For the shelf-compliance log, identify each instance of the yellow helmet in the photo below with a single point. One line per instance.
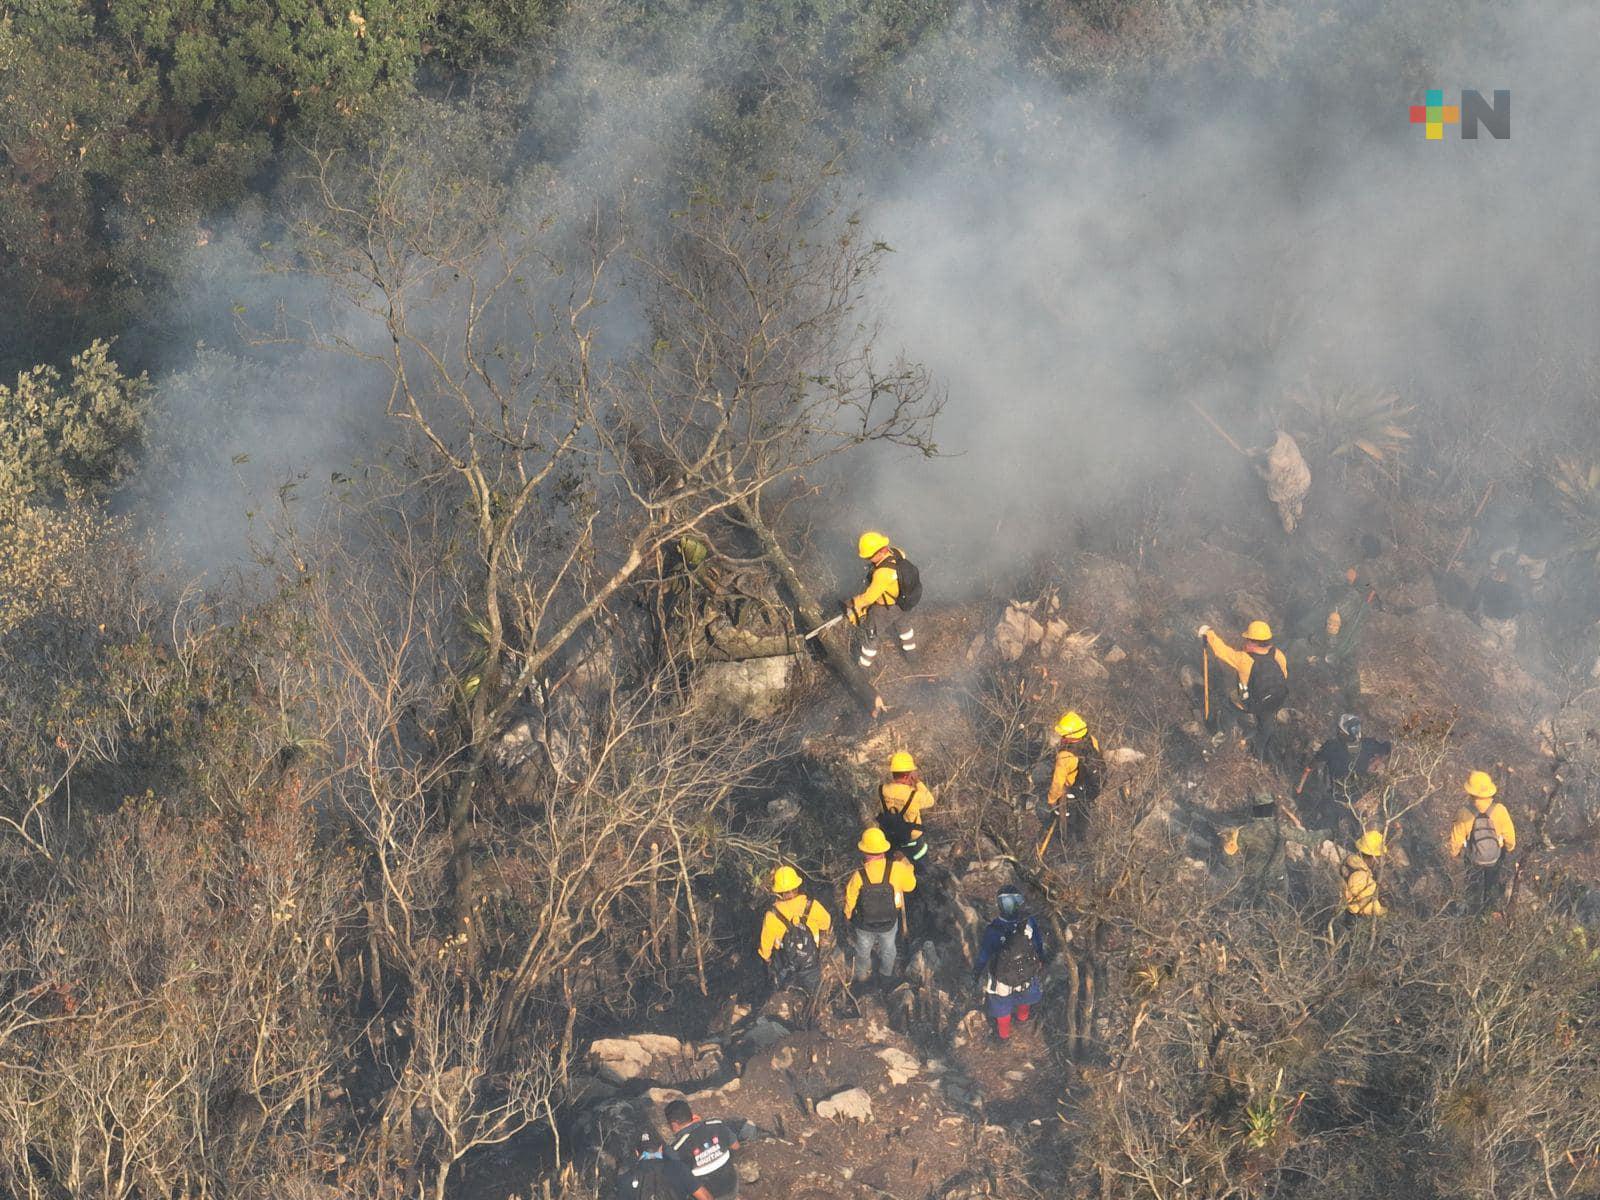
(1071, 725)
(785, 879)
(901, 763)
(1257, 631)
(873, 841)
(1371, 842)
(1480, 785)
(870, 543)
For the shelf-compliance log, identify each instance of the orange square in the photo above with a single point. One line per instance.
(1452, 114)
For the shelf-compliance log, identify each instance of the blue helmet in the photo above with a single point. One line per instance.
(1010, 901)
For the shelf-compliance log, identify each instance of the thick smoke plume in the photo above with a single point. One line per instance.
(1106, 257)
(1076, 266)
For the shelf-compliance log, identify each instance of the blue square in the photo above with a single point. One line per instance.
(1435, 96)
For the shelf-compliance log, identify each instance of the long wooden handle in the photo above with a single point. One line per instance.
(1205, 675)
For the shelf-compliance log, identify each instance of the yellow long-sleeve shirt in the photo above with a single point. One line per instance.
(882, 588)
(772, 929)
(907, 800)
(1242, 661)
(901, 875)
(1503, 827)
(1360, 888)
(1065, 774)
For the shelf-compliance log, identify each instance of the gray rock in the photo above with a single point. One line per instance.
(852, 1103)
(903, 1067)
(783, 810)
(765, 1032)
(747, 690)
(652, 1057)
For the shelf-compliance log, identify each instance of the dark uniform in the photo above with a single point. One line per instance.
(657, 1177)
(1346, 768)
(1258, 852)
(707, 1147)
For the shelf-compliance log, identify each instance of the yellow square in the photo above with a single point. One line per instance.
(1434, 131)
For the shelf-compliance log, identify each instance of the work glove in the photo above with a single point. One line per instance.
(1202, 631)
(849, 611)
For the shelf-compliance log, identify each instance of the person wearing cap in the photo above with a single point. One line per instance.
(1076, 779)
(1263, 681)
(706, 1147)
(902, 800)
(1010, 959)
(792, 930)
(1257, 851)
(875, 902)
(1484, 837)
(1359, 871)
(1347, 763)
(658, 1175)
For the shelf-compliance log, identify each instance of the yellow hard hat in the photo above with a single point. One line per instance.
(1071, 725)
(1480, 785)
(785, 879)
(873, 842)
(1257, 631)
(1371, 842)
(901, 763)
(870, 543)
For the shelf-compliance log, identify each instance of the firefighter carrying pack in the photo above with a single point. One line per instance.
(877, 907)
(910, 580)
(1269, 686)
(1483, 843)
(1016, 962)
(797, 949)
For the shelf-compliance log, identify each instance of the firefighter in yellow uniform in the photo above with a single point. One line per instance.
(874, 902)
(792, 930)
(901, 801)
(880, 609)
(1359, 870)
(1075, 781)
(1484, 836)
(1263, 673)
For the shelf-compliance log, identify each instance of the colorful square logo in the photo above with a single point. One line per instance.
(1433, 114)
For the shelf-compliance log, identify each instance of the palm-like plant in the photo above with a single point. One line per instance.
(1346, 421)
(1576, 486)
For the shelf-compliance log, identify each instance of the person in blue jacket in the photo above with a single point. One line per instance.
(1010, 960)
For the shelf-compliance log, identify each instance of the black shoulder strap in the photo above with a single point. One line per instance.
(783, 920)
(805, 913)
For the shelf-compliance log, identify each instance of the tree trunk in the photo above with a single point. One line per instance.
(852, 676)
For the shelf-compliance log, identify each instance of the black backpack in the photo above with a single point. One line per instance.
(910, 580)
(1091, 769)
(1016, 962)
(648, 1181)
(875, 906)
(1269, 686)
(894, 824)
(797, 949)
(1483, 843)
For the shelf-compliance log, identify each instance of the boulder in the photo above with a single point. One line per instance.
(1104, 592)
(1016, 631)
(852, 1104)
(765, 1032)
(1125, 756)
(652, 1057)
(784, 810)
(747, 690)
(903, 1067)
